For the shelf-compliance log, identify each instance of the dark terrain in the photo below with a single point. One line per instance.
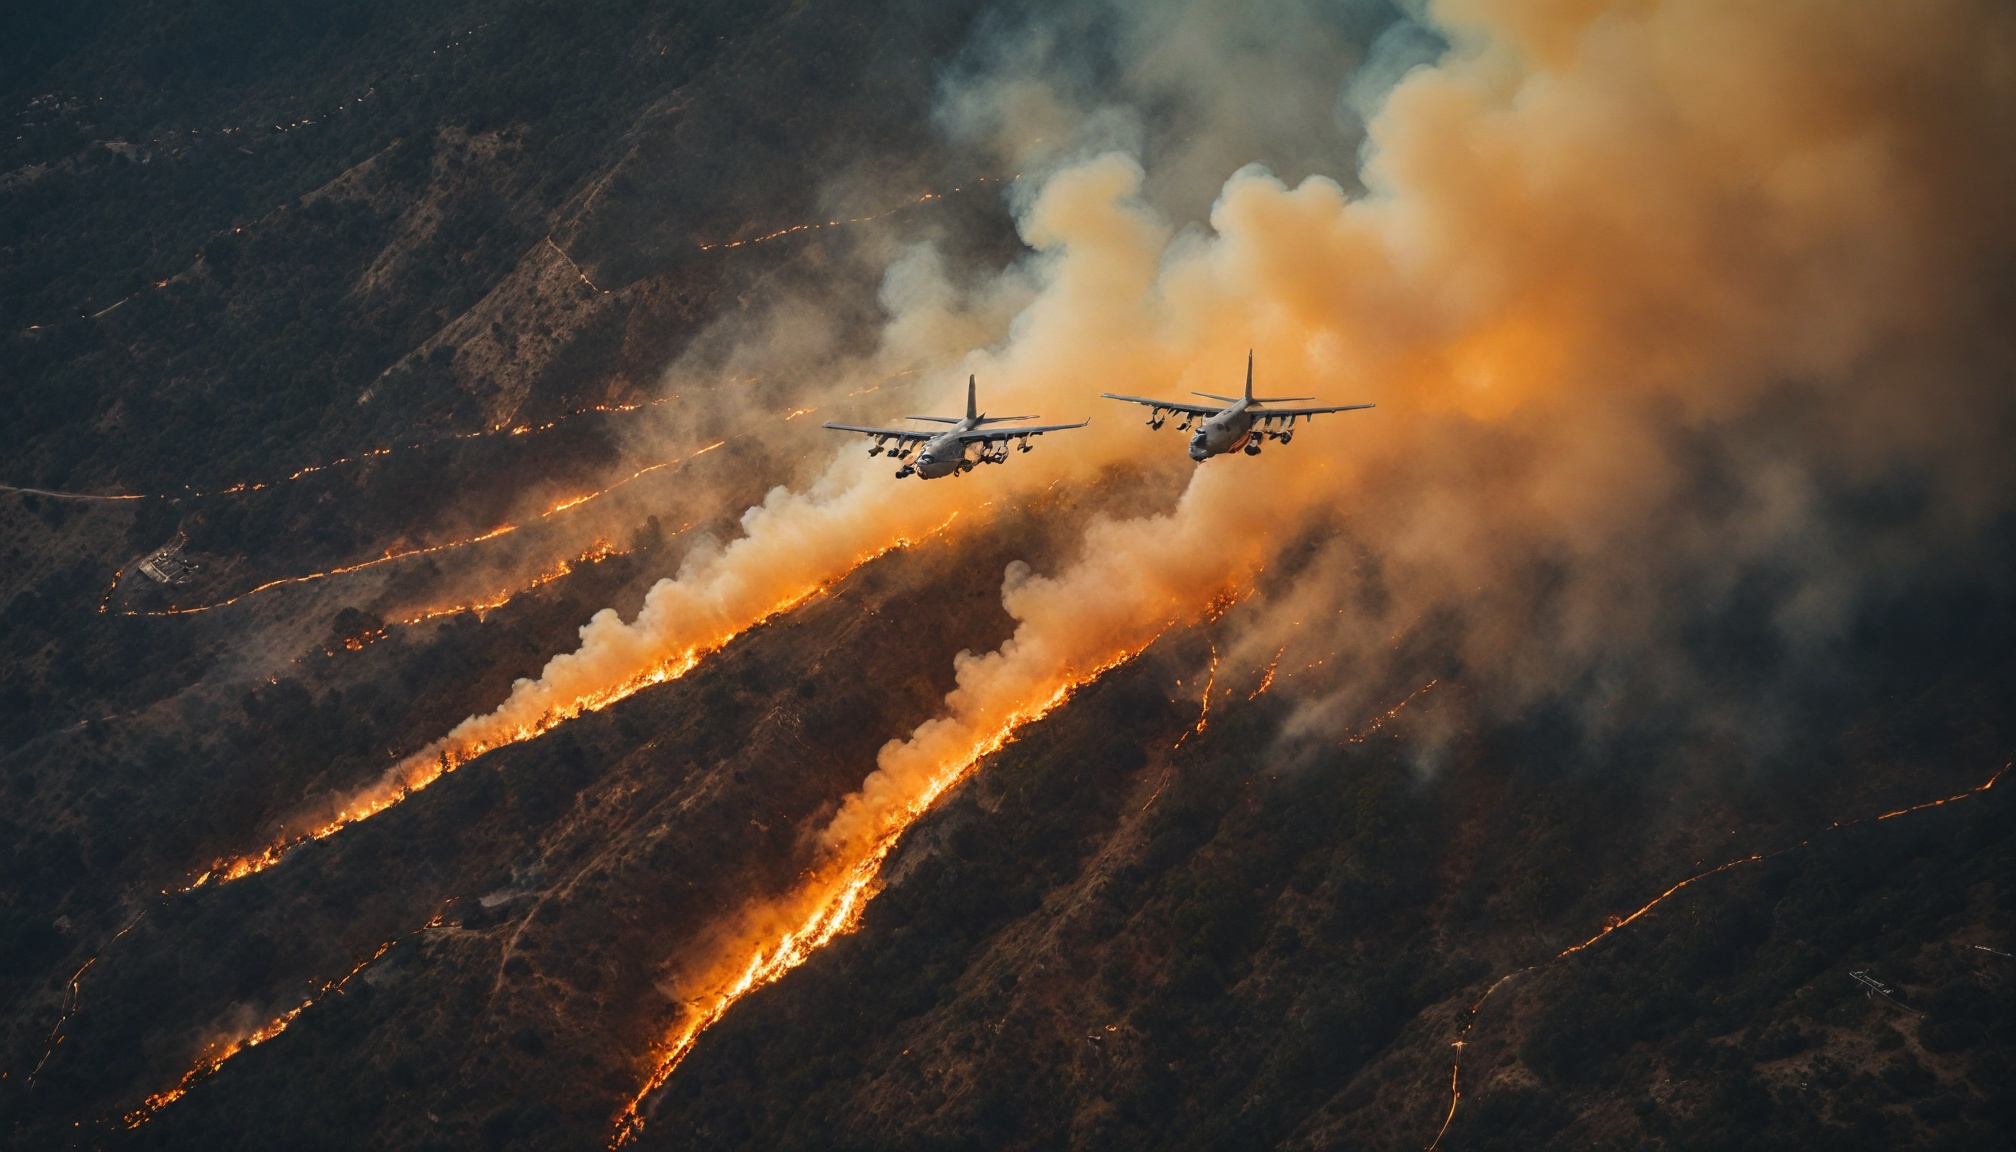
(432, 221)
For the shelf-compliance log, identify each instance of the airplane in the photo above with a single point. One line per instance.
(946, 452)
(1233, 426)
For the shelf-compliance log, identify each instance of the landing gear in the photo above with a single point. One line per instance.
(1253, 448)
(906, 470)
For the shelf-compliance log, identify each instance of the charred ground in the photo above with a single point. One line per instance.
(433, 220)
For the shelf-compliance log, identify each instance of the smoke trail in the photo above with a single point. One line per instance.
(1590, 235)
(795, 545)
(1598, 246)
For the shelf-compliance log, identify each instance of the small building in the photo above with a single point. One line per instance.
(165, 564)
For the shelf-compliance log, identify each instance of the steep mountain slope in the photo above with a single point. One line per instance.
(427, 331)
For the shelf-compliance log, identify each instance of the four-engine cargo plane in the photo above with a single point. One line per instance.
(1240, 423)
(946, 452)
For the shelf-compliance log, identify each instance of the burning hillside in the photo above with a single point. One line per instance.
(1600, 741)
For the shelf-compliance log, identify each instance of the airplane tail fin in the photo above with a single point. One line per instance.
(971, 410)
(1249, 375)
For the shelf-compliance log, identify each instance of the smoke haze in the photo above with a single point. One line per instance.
(1670, 310)
(1647, 296)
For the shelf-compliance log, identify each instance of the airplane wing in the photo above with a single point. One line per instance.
(978, 436)
(1271, 413)
(1169, 405)
(904, 437)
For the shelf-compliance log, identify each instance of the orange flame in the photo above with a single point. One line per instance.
(421, 769)
(1267, 677)
(342, 571)
(813, 227)
(357, 457)
(1204, 716)
(216, 1058)
(601, 551)
(832, 903)
(1380, 720)
(1613, 923)
(494, 533)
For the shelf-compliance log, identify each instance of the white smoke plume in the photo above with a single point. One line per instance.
(1597, 240)
(1588, 237)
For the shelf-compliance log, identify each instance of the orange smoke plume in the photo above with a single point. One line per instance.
(772, 937)
(1585, 228)
(795, 547)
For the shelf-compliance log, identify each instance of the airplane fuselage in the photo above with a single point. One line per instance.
(1228, 431)
(943, 454)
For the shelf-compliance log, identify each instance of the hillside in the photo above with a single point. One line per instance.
(454, 694)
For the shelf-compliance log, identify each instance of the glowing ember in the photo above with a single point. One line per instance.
(218, 1053)
(1380, 720)
(389, 557)
(814, 227)
(422, 768)
(1267, 677)
(1203, 716)
(830, 904)
(243, 486)
(105, 601)
(576, 267)
(1613, 923)
(72, 998)
(602, 550)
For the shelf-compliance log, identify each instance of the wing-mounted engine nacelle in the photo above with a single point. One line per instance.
(877, 449)
(1155, 417)
(1188, 419)
(1023, 445)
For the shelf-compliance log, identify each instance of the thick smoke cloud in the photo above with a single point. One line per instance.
(1668, 308)
(1646, 294)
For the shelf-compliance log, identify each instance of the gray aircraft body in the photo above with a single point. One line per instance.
(1240, 422)
(950, 451)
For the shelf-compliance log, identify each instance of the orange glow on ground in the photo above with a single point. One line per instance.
(828, 905)
(345, 570)
(817, 225)
(1380, 720)
(389, 557)
(1614, 923)
(220, 1052)
(452, 756)
(244, 486)
(1267, 676)
(1203, 716)
(73, 989)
